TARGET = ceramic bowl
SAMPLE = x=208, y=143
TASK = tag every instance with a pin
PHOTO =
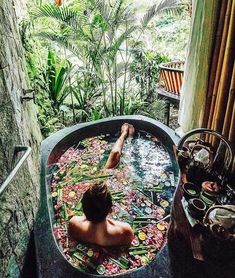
x=190, y=190
x=197, y=208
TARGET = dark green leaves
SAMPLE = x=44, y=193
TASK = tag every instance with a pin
x=57, y=74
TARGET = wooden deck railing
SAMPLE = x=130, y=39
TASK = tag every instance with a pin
x=171, y=77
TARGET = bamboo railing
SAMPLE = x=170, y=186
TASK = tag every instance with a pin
x=171, y=77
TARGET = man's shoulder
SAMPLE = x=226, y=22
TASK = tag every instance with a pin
x=123, y=232
x=76, y=222
x=77, y=227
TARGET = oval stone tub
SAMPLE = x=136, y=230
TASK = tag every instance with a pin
x=51, y=261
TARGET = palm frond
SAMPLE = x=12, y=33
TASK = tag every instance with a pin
x=116, y=46
x=151, y=12
x=117, y=8
x=61, y=40
x=127, y=15
x=116, y=13
x=66, y=15
x=167, y=5
x=103, y=9
x=164, y=5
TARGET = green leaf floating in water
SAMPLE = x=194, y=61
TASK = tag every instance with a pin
x=60, y=195
x=79, y=256
x=78, y=206
x=88, y=156
x=139, y=252
x=159, y=186
x=135, y=248
x=85, y=143
x=119, y=195
x=119, y=264
x=124, y=260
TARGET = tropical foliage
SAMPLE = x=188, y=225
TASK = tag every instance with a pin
x=171, y=32
x=87, y=60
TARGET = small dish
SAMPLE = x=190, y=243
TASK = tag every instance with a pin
x=191, y=190
x=210, y=189
x=197, y=208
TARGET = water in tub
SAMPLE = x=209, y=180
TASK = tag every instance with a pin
x=142, y=187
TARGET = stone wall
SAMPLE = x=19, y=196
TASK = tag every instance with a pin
x=18, y=126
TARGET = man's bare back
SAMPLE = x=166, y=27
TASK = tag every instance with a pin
x=106, y=233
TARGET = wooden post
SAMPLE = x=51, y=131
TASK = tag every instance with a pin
x=168, y=108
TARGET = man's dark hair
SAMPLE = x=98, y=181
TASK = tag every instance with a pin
x=97, y=202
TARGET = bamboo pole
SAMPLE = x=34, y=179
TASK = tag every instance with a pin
x=231, y=136
x=214, y=63
x=228, y=124
x=226, y=74
x=220, y=63
x=222, y=30
x=231, y=103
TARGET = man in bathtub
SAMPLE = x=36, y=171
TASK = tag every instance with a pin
x=94, y=226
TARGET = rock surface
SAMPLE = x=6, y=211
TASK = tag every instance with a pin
x=18, y=126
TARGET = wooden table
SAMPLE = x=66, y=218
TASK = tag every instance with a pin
x=180, y=224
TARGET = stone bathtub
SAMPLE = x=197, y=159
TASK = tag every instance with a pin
x=51, y=261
